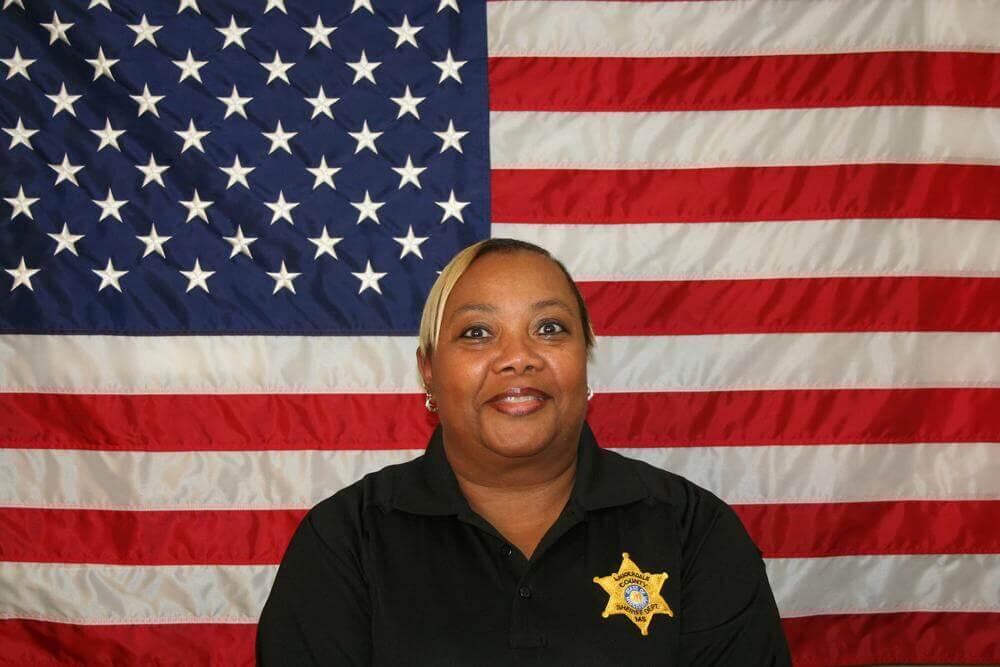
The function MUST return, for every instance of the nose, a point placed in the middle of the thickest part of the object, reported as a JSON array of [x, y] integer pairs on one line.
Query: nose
[[517, 354]]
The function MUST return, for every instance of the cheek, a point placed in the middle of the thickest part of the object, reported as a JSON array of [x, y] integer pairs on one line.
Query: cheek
[[459, 376]]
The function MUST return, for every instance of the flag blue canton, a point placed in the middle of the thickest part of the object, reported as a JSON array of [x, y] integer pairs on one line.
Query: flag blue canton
[[236, 101]]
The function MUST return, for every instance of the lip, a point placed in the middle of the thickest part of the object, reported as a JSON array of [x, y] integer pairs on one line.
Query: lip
[[519, 401]]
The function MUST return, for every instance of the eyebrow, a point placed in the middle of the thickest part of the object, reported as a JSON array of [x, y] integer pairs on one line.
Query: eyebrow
[[487, 308]]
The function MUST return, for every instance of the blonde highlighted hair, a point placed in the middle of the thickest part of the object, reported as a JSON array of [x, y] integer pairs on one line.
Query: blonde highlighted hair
[[430, 320]]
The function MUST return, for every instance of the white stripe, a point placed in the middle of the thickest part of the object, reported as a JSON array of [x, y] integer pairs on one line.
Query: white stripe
[[762, 137], [299, 479], [281, 364], [880, 584], [111, 594], [105, 594], [785, 249], [634, 29]]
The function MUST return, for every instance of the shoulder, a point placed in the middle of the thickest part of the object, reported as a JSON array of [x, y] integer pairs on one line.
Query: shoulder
[[347, 513], [697, 511]]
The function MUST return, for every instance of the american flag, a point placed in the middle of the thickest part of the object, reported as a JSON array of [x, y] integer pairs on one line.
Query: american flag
[[221, 219]]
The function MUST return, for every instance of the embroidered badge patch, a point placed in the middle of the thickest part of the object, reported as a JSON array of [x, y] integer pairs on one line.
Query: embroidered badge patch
[[634, 593]]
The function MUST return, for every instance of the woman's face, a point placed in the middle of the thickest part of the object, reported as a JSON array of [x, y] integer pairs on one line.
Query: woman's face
[[509, 372]]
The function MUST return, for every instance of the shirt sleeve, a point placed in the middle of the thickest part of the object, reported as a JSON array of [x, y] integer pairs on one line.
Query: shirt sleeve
[[729, 616], [319, 608]]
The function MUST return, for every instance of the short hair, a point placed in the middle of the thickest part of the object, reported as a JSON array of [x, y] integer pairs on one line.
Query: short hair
[[430, 320]]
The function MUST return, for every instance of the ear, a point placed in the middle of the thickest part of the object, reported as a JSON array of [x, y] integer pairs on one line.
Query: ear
[[424, 365]]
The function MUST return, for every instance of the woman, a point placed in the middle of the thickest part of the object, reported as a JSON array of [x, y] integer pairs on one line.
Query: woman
[[515, 539]]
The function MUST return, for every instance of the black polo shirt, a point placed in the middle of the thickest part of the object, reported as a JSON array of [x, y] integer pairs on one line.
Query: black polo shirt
[[396, 569]]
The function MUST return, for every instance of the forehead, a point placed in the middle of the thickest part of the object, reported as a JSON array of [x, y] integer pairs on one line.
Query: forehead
[[509, 281]]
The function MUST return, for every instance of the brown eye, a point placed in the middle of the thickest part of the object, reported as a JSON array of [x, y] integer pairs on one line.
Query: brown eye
[[475, 333], [551, 328]]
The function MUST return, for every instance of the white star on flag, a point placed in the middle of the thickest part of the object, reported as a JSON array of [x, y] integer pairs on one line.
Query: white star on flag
[[99, 3], [240, 243], [110, 207], [188, 4], [408, 173], [22, 275], [369, 278], [197, 277], [367, 209], [275, 4], [408, 103], [109, 276], [57, 29], [279, 139], [324, 174], [154, 242], [102, 65], [452, 208], [234, 103], [190, 67], [196, 208], [233, 34], [144, 31], [449, 68], [192, 136], [63, 101], [277, 69], [65, 241], [20, 135], [365, 138], [108, 136], [282, 209], [66, 171], [325, 244], [283, 279], [358, 4], [237, 173], [22, 205], [451, 4], [152, 172], [363, 69], [406, 33], [321, 104], [410, 243], [147, 101], [451, 138], [9, 3], [320, 34], [17, 65]]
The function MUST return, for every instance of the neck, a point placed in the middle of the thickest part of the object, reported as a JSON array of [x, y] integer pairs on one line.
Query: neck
[[519, 497]]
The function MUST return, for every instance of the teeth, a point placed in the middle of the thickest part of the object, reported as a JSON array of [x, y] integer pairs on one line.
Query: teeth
[[518, 399]]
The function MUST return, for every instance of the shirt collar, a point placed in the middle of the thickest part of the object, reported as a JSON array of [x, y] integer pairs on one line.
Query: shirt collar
[[427, 485]]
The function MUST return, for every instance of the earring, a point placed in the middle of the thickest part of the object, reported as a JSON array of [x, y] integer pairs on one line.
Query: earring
[[429, 403], [590, 392]]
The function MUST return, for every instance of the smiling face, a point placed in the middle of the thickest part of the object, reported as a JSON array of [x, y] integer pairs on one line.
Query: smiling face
[[509, 370]]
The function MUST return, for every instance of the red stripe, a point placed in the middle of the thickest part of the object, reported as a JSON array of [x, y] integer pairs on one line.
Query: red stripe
[[853, 529], [905, 638], [182, 537], [745, 193], [25, 642], [177, 422], [655, 419], [797, 305], [744, 82], [259, 537]]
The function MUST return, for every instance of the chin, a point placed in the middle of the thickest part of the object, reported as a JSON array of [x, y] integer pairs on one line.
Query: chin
[[519, 440]]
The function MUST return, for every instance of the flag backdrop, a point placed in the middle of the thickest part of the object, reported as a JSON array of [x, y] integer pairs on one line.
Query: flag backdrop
[[221, 218]]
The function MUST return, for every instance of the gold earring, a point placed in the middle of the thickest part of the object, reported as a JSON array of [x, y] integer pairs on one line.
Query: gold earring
[[590, 392], [429, 403]]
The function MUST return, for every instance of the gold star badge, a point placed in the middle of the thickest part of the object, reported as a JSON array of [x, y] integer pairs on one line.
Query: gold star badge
[[634, 593]]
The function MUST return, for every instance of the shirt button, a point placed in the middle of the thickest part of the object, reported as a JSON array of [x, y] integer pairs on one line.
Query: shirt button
[[525, 592], [506, 551]]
